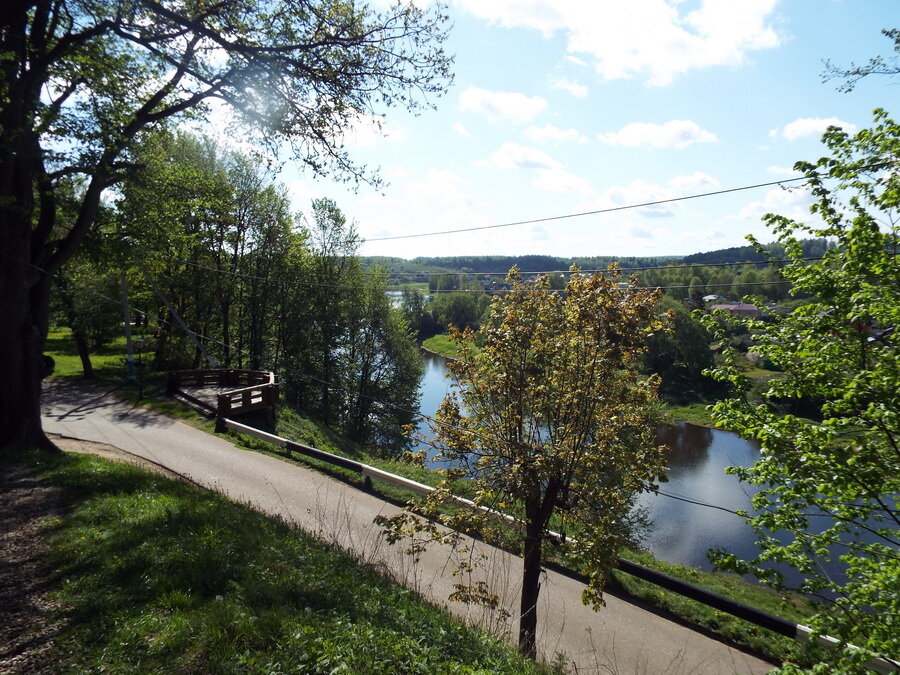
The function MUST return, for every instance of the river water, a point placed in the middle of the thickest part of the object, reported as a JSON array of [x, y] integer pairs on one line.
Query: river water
[[682, 532]]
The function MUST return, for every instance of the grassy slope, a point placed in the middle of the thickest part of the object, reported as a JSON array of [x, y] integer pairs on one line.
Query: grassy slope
[[299, 428], [160, 576]]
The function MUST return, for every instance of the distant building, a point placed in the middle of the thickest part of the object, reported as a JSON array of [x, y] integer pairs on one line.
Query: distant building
[[739, 308], [710, 298]]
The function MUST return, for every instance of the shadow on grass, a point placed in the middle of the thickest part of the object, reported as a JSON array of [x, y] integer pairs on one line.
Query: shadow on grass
[[162, 575]]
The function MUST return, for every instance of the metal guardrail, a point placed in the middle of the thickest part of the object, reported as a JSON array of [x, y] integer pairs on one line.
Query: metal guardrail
[[796, 631]]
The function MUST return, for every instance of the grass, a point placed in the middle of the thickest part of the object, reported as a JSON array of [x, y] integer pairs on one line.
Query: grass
[[443, 345], [108, 360], [770, 645], [693, 413], [160, 576]]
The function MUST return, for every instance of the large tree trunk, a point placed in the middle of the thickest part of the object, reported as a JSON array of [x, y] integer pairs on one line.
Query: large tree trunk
[[539, 506], [24, 312]]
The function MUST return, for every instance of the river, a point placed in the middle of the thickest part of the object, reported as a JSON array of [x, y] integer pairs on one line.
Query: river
[[682, 532]]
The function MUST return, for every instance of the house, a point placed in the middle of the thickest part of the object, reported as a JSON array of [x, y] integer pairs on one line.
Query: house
[[739, 309]]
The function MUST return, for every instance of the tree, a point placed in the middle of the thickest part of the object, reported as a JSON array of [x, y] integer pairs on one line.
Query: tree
[[877, 65], [459, 308], [82, 80], [679, 355], [383, 369], [551, 421], [830, 485]]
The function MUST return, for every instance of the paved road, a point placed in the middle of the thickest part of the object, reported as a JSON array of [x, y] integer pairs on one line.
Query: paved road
[[620, 639]]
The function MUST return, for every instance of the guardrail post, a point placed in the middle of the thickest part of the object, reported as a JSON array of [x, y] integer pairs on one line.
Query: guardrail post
[[222, 412], [172, 381]]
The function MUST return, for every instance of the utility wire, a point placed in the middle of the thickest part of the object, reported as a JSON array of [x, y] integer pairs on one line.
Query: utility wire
[[611, 209]]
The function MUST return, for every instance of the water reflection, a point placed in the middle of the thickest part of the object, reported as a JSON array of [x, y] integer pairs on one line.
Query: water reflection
[[684, 529], [433, 388]]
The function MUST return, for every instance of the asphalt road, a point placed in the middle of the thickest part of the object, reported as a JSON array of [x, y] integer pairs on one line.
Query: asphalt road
[[621, 638]]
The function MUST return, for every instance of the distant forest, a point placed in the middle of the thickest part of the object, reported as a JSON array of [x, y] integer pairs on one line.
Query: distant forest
[[402, 270]]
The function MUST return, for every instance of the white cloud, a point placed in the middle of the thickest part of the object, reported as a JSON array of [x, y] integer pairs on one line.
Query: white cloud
[[573, 88], [552, 134], [560, 181], [672, 134], [576, 61], [499, 106], [782, 170], [636, 192], [301, 192], [550, 175], [814, 126], [790, 202], [695, 182], [440, 199], [461, 130], [652, 39], [640, 231], [515, 156], [368, 131]]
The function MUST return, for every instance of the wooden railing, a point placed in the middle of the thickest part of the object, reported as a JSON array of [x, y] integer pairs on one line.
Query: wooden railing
[[256, 390]]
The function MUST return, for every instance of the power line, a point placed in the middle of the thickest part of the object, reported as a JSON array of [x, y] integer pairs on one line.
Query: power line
[[611, 209]]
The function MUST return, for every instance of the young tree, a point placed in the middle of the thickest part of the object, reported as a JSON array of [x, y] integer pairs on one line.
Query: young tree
[[82, 80], [552, 421], [830, 485]]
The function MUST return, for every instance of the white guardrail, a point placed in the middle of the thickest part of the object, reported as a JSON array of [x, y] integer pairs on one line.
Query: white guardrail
[[790, 629]]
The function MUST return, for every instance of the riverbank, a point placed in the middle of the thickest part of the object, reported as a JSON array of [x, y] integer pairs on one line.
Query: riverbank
[[693, 413], [442, 345]]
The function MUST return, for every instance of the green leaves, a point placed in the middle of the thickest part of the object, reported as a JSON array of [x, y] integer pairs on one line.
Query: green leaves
[[831, 481]]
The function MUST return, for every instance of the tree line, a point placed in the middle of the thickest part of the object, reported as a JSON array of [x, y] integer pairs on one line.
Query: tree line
[[207, 230]]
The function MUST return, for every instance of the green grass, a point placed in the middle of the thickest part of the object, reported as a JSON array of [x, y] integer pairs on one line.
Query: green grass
[[159, 576], [421, 286], [108, 361], [694, 413], [771, 645], [443, 345]]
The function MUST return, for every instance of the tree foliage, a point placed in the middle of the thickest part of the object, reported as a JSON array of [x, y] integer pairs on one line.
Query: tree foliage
[[81, 81], [213, 233], [830, 485], [552, 422]]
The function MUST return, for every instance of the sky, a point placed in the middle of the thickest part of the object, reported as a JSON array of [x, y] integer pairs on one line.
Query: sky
[[567, 106]]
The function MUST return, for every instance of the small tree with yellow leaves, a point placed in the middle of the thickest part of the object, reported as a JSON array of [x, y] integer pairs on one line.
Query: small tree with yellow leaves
[[553, 424]]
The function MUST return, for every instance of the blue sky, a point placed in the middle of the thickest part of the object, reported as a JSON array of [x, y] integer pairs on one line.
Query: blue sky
[[566, 106]]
